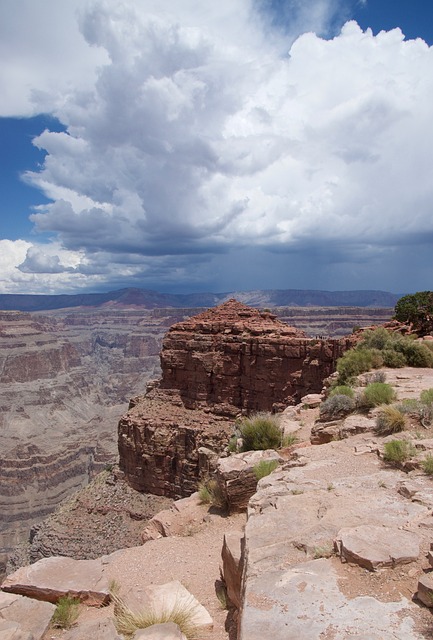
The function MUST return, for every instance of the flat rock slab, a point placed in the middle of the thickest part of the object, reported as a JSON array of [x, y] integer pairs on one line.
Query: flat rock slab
[[167, 598], [94, 630], [52, 578], [22, 618], [166, 631], [305, 603], [372, 547]]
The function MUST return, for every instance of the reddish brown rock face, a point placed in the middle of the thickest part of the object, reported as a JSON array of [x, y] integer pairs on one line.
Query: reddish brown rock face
[[227, 361]]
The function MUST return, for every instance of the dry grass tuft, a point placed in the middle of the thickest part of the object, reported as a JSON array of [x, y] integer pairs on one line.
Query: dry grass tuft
[[181, 613]]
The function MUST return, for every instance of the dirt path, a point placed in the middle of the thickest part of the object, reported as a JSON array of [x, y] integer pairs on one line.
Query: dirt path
[[194, 560]]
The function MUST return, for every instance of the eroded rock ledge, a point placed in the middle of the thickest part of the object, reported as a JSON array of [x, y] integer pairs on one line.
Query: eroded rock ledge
[[224, 362]]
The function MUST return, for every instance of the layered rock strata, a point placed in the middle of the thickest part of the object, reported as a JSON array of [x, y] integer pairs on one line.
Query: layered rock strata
[[227, 361], [64, 383]]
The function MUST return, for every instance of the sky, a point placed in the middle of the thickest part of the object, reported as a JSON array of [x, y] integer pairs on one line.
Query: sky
[[188, 145]]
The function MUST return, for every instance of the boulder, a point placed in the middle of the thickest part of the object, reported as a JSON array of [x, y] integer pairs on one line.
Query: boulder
[[183, 515], [372, 547], [166, 631], [355, 424], [425, 590], [22, 618], [321, 433], [51, 578], [235, 475], [312, 400]]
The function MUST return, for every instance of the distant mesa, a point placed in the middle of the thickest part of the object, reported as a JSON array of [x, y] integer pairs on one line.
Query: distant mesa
[[146, 298]]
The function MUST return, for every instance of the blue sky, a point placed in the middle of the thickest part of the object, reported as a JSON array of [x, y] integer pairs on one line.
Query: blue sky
[[184, 146]]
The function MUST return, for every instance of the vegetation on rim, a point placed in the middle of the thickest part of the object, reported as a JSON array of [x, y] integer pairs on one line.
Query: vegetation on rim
[[66, 612]]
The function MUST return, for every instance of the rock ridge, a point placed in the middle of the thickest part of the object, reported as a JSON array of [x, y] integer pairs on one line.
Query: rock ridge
[[226, 361]]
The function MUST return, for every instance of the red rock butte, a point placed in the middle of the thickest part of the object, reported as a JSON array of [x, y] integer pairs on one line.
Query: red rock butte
[[226, 361]]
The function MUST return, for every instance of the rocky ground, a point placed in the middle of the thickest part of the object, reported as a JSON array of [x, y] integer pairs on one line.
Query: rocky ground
[[337, 540], [104, 516]]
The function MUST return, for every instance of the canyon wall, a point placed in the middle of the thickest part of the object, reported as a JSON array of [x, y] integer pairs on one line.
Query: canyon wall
[[225, 362], [64, 382]]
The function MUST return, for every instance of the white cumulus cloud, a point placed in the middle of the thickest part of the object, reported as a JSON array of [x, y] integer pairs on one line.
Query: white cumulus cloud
[[196, 137]]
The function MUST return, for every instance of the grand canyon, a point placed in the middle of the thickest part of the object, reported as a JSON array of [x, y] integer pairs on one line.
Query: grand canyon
[[67, 375]]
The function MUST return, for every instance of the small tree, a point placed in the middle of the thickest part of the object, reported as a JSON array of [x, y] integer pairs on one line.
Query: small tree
[[417, 309]]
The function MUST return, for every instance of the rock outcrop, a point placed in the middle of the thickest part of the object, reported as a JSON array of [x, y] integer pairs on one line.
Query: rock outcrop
[[336, 498], [227, 361]]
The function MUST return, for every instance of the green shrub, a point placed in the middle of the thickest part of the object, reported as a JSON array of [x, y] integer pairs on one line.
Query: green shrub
[[427, 465], [342, 390], [393, 359], [264, 468], [375, 394], [336, 406], [398, 451], [427, 396], [377, 339], [210, 492], [389, 420], [354, 362], [415, 353], [260, 431], [65, 613]]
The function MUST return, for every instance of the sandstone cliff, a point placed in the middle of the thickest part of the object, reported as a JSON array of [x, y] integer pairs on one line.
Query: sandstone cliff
[[226, 361]]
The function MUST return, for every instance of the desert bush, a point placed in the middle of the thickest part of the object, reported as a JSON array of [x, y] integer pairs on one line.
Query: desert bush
[[181, 613], [376, 339], [427, 465], [210, 492], [260, 431], [66, 612], [375, 394], [409, 406], [336, 406], [393, 359], [427, 396], [415, 353], [264, 468], [389, 420], [354, 362], [398, 451], [342, 390]]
